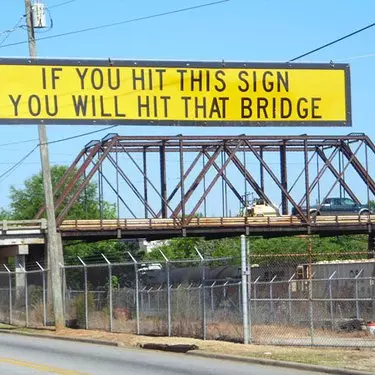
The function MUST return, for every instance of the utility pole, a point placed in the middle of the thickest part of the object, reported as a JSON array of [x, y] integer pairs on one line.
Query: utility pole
[[54, 250]]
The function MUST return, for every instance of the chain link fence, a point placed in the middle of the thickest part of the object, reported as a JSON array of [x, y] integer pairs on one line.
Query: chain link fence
[[293, 299]]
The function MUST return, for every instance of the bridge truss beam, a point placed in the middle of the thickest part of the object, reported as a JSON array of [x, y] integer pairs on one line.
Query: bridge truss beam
[[180, 177]]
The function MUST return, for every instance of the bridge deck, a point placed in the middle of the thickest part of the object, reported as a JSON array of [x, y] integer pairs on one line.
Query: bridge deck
[[216, 227]]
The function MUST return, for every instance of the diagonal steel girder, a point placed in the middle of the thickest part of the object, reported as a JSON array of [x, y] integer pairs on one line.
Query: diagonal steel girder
[[249, 178], [77, 174], [83, 184], [340, 175], [318, 177], [334, 171], [185, 176], [225, 178], [300, 175], [198, 179], [356, 164], [166, 201], [327, 164], [276, 180], [214, 180], [131, 185], [116, 192]]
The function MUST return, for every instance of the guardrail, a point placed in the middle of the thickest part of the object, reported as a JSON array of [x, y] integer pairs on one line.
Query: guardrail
[[17, 226]]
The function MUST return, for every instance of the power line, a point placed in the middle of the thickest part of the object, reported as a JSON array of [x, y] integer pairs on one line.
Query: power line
[[61, 4], [18, 142], [356, 57], [9, 171], [10, 31], [333, 42], [156, 15], [81, 135]]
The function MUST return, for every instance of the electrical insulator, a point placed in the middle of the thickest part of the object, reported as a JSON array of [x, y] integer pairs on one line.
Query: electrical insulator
[[39, 15]]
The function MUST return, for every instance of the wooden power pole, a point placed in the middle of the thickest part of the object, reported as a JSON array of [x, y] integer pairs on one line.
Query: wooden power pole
[[54, 250]]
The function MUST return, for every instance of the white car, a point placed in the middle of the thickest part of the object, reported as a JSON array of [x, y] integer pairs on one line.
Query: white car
[[259, 207]]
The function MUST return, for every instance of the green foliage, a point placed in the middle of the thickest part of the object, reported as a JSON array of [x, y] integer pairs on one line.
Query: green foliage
[[80, 305], [114, 250], [25, 202], [5, 215], [331, 247]]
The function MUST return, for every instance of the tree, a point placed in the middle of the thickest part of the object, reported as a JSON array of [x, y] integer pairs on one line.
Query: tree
[[263, 249], [25, 202]]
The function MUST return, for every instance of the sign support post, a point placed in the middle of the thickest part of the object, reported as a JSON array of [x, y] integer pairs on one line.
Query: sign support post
[[53, 248]]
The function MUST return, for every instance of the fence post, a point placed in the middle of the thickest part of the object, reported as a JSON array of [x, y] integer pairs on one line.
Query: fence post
[[330, 299], [158, 294], [310, 290], [245, 305], [86, 294], [110, 293], [149, 298], [357, 309], [212, 297], [63, 275], [10, 295], [44, 294], [249, 302], [272, 310], [204, 323], [26, 295], [136, 290], [255, 296], [167, 270], [290, 298]]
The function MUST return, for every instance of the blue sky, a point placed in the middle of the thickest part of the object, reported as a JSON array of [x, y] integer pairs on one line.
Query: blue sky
[[237, 30]]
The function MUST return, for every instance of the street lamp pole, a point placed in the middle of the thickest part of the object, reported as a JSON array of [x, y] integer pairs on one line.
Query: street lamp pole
[[54, 249]]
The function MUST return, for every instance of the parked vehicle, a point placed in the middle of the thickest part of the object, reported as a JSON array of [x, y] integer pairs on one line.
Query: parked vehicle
[[259, 207], [337, 207]]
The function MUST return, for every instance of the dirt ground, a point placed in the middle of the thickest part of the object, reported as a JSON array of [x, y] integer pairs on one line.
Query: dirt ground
[[362, 359]]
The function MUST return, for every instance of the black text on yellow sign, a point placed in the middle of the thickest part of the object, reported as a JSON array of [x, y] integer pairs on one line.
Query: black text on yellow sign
[[178, 94]]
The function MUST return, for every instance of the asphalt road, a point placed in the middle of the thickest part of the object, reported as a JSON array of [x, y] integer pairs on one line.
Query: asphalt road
[[20, 355]]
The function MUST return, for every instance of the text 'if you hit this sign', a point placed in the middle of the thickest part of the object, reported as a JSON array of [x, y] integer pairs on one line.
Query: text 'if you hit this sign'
[[174, 93]]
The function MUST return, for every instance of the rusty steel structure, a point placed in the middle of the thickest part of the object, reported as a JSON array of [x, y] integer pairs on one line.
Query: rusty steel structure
[[182, 177]]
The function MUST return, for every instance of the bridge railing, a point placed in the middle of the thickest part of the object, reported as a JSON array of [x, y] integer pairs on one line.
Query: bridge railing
[[87, 225], [18, 225]]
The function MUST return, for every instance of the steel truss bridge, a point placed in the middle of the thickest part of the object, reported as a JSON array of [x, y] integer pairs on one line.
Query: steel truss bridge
[[165, 186]]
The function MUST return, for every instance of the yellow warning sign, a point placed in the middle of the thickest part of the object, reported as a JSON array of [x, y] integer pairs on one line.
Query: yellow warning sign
[[174, 93]]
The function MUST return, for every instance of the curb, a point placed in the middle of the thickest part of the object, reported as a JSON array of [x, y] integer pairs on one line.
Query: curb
[[278, 363], [63, 338]]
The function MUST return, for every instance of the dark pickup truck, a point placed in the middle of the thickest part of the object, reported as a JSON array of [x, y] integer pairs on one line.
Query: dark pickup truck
[[337, 207]]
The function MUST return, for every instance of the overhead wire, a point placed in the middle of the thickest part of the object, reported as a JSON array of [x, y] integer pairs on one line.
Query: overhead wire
[[80, 135], [15, 166], [143, 18], [9, 171], [358, 57], [333, 42], [10, 31], [61, 4]]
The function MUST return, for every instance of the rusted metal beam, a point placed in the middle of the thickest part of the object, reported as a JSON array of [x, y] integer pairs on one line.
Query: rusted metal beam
[[357, 165], [278, 183], [337, 175], [213, 182], [199, 178]]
